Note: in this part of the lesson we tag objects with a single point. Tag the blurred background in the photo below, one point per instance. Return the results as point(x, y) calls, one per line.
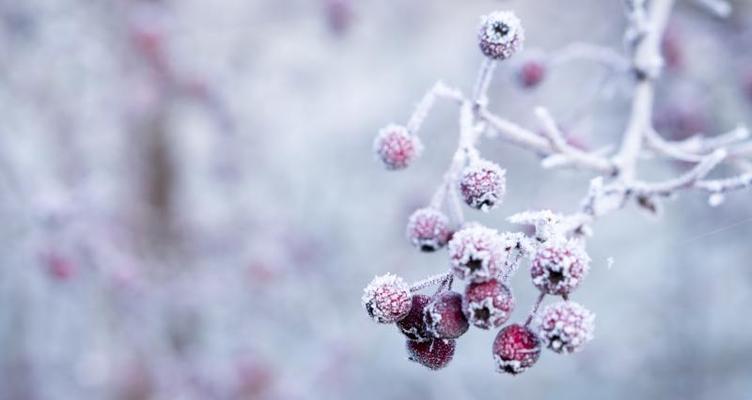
point(190, 205)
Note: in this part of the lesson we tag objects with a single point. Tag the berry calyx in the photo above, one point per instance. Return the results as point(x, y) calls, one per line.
point(444, 317)
point(428, 229)
point(434, 354)
point(515, 349)
point(387, 299)
point(501, 35)
point(565, 327)
point(487, 304)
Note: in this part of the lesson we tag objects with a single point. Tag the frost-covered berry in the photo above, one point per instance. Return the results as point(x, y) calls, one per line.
point(387, 298)
point(487, 304)
point(476, 254)
point(428, 229)
point(444, 317)
point(559, 268)
point(501, 35)
point(565, 326)
point(515, 349)
point(532, 73)
point(414, 325)
point(483, 185)
point(396, 147)
point(434, 354)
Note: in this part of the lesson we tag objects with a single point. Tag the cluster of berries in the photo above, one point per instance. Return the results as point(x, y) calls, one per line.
point(483, 258)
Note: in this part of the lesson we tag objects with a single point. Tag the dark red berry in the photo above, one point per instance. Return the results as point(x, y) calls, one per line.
point(500, 35)
point(488, 304)
point(444, 317)
point(515, 349)
point(414, 325)
point(434, 354)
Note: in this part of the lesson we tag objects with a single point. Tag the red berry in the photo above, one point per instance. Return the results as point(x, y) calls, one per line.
point(396, 147)
point(414, 325)
point(475, 253)
point(428, 229)
point(488, 304)
point(434, 354)
point(444, 317)
point(560, 268)
point(515, 349)
point(565, 326)
point(387, 298)
point(500, 35)
point(482, 185)
point(531, 74)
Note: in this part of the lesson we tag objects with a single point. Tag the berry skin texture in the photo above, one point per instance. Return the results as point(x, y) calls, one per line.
point(387, 299)
point(428, 229)
point(501, 35)
point(475, 253)
point(396, 147)
point(483, 185)
point(414, 325)
point(531, 74)
point(434, 354)
point(487, 304)
point(444, 317)
point(565, 327)
point(559, 269)
point(515, 349)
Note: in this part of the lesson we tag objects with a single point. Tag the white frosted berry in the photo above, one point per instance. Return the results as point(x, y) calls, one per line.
point(396, 147)
point(501, 35)
point(558, 269)
point(428, 229)
point(482, 185)
point(387, 298)
point(476, 254)
point(487, 304)
point(565, 327)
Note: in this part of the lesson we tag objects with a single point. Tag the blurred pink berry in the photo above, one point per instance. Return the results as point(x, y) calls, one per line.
point(565, 326)
point(531, 73)
point(396, 147)
point(444, 317)
point(748, 85)
point(488, 304)
point(59, 267)
point(671, 48)
point(428, 229)
point(339, 15)
point(560, 268)
point(515, 349)
point(482, 185)
point(434, 354)
point(414, 325)
point(387, 298)
point(500, 35)
point(475, 253)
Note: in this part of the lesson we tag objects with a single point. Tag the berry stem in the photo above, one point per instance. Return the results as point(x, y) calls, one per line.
point(534, 311)
point(437, 279)
point(483, 81)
